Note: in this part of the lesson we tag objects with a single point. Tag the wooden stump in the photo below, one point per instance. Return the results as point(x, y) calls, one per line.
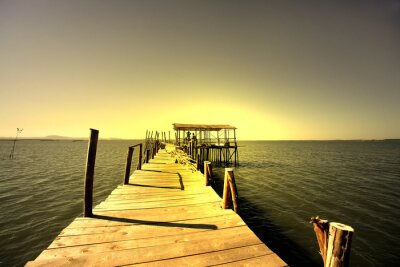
point(334, 240)
point(339, 242)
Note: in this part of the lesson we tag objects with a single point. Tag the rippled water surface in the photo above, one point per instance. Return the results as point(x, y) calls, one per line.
point(281, 185)
point(41, 190)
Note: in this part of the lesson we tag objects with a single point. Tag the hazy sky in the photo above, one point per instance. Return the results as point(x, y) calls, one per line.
point(274, 69)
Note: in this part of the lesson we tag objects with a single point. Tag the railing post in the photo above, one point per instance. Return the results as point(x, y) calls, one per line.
point(207, 172)
point(140, 157)
point(147, 155)
point(128, 165)
point(198, 162)
point(89, 174)
point(230, 192)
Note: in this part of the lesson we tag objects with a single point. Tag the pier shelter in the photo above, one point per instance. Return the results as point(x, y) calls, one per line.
point(208, 142)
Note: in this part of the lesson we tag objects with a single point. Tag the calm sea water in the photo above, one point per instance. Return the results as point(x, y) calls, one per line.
point(281, 185)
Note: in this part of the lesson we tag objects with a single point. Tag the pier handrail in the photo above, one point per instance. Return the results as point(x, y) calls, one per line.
point(89, 172)
point(129, 161)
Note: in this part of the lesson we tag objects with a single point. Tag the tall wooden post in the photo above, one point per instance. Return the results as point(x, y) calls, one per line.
point(339, 242)
point(139, 167)
point(89, 173)
point(334, 240)
point(128, 165)
point(207, 172)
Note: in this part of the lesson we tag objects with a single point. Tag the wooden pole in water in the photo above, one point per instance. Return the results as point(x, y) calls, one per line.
point(334, 240)
point(339, 242)
point(89, 173)
point(128, 165)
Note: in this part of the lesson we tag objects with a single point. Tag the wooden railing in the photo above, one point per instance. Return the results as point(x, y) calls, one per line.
point(89, 172)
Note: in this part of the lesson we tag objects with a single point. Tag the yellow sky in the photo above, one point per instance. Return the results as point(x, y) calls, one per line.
point(276, 71)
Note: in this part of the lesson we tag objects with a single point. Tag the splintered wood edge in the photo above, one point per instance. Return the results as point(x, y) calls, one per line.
point(342, 226)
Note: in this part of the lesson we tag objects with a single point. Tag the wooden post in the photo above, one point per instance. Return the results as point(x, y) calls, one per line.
point(234, 193)
point(128, 165)
point(321, 228)
point(207, 172)
point(230, 191)
point(334, 240)
point(339, 242)
point(226, 195)
point(89, 173)
point(139, 167)
point(147, 155)
point(198, 162)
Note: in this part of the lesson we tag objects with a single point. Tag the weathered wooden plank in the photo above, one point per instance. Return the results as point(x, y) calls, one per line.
point(169, 214)
point(165, 248)
point(156, 196)
point(265, 260)
point(212, 258)
point(219, 221)
point(128, 237)
point(153, 204)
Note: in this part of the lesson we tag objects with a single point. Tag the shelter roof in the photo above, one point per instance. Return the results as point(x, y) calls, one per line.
point(210, 127)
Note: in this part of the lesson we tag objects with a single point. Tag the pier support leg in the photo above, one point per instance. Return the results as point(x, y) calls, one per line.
point(89, 174)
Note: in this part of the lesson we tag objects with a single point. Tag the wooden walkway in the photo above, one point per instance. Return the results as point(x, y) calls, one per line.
point(165, 216)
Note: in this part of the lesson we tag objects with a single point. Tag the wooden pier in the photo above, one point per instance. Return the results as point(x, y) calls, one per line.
point(164, 216)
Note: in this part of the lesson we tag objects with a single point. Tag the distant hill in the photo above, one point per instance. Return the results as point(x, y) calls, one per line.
point(58, 137)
